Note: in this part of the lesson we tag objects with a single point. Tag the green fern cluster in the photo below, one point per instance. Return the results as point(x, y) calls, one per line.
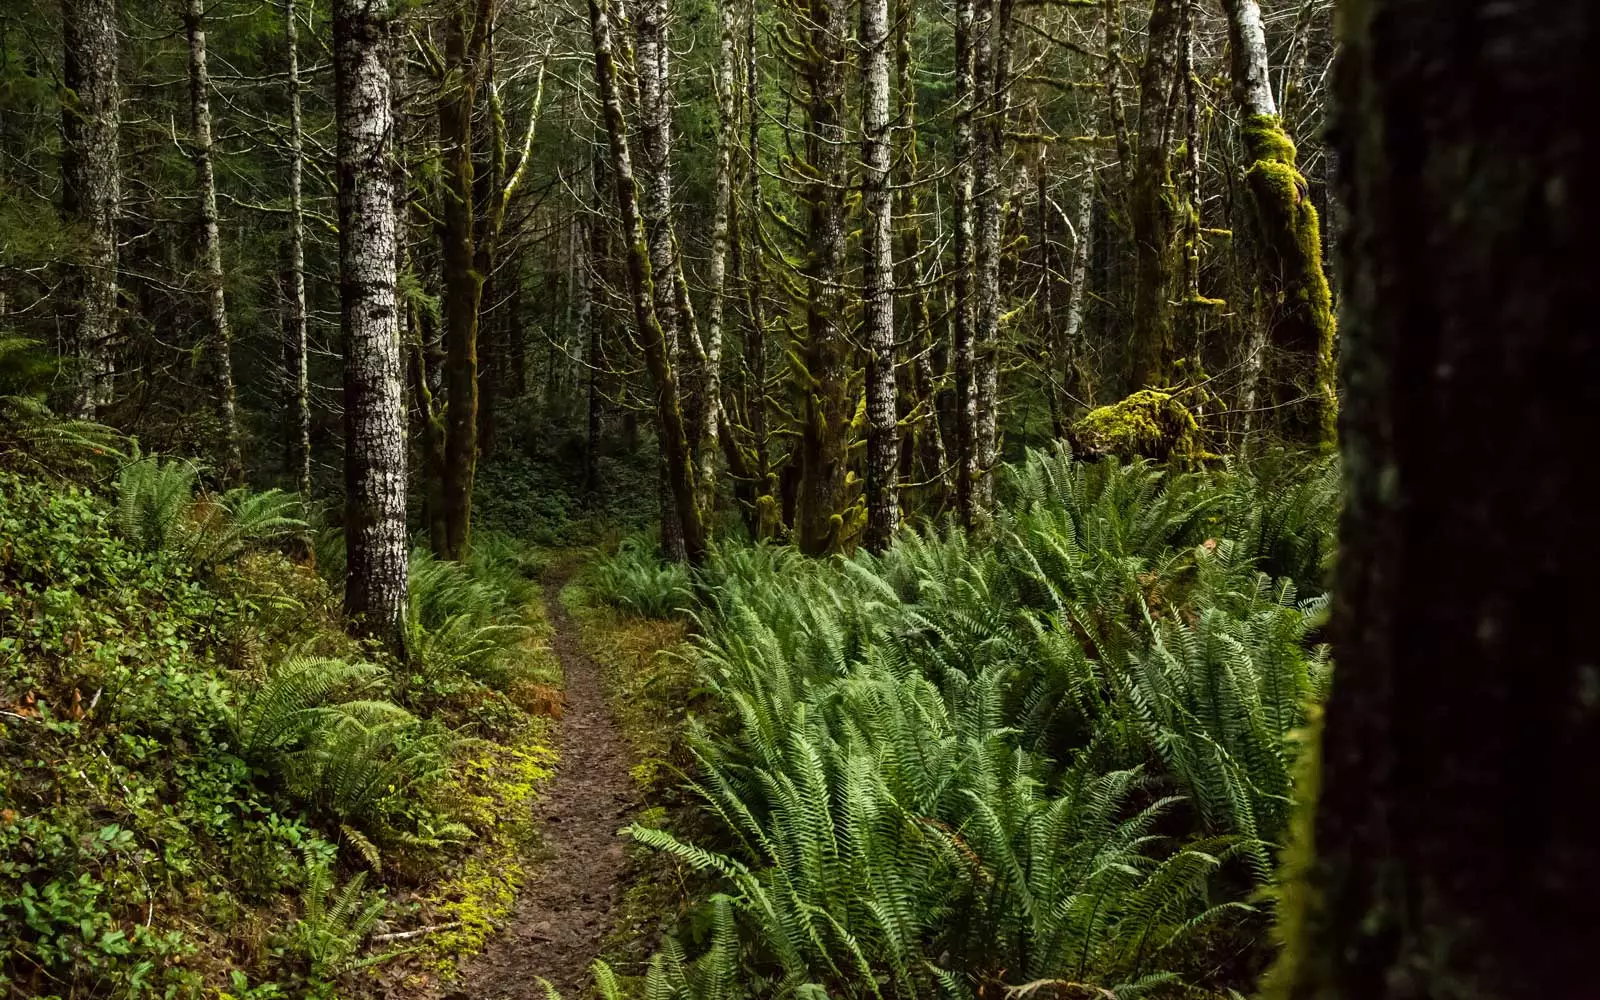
point(637, 580)
point(33, 438)
point(160, 509)
point(1052, 756)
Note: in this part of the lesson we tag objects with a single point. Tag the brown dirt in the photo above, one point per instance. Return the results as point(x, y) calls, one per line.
point(566, 908)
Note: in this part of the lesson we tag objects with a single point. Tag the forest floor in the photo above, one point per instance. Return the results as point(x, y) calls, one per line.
point(568, 906)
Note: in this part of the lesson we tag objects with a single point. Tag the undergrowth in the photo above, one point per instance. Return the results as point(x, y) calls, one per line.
point(206, 787)
point(1057, 759)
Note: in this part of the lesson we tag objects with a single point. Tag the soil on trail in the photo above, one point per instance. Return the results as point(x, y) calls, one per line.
point(565, 909)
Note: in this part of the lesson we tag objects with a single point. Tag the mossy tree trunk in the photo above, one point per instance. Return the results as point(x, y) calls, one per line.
point(1152, 201)
point(466, 52)
point(877, 279)
point(1299, 305)
point(1454, 852)
point(824, 519)
point(670, 425)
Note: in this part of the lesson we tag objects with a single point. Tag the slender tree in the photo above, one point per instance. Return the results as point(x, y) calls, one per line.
point(467, 31)
point(992, 59)
point(297, 454)
point(679, 465)
point(964, 360)
point(91, 195)
point(877, 248)
point(219, 337)
point(374, 415)
point(1152, 200)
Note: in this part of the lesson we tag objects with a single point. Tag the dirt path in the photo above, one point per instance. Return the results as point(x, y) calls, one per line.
point(565, 909)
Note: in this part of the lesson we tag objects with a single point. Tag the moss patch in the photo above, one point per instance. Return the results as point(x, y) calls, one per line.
point(1147, 424)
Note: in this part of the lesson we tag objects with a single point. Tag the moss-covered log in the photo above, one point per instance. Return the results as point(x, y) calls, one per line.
point(1147, 424)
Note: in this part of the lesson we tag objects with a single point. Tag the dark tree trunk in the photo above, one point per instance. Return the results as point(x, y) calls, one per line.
point(465, 56)
point(91, 195)
point(1151, 201)
point(1454, 852)
point(374, 414)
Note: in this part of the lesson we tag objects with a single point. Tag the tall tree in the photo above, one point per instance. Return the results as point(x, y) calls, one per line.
point(1299, 304)
point(824, 354)
point(219, 337)
point(1453, 853)
point(964, 359)
point(374, 414)
point(91, 194)
point(467, 32)
point(670, 426)
point(992, 65)
point(1152, 199)
point(877, 281)
point(297, 454)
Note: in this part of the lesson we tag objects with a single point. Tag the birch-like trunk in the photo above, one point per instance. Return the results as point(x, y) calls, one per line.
point(641, 292)
point(297, 412)
point(374, 414)
point(929, 440)
point(877, 281)
point(992, 64)
point(708, 398)
point(1298, 367)
point(91, 197)
point(963, 359)
point(1074, 371)
point(825, 355)
point(219, 338)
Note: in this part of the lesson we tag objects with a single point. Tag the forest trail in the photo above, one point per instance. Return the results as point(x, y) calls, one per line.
point(565, 910)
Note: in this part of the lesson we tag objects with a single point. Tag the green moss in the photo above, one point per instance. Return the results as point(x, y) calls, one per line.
point(1299, 299)
point(1148, 424)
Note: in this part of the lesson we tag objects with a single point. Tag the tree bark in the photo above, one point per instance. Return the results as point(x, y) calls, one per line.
point(219, 347)
point(91, 196)
point(374, 415)
point(877, 281)
point(641, 291)
point(466, 51)
point(963, 359)
point(824, 521)
point(992, 64)
point(1299, 304)
point(297, 415)
point(1454, 852)
point(708, 398)
point(1151, 201)
point(929, 441)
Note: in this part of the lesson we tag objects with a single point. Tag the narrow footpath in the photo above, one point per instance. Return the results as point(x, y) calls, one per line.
point(565, 910)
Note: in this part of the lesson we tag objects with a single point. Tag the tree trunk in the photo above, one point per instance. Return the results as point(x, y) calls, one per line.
point(641, 292)
point(374, 415)
point(1074, 371)
point(992, 69)
point(1454, 852)
point(963, 359)
point(755, 352)
point(824, 521)
point(91, 196)
point(297, 415)
point(1299, 304)
point(219, 339)
point(877, 281)
point(929, 442)
point(465, 56)
point(709, 396)
point(1151, 201)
